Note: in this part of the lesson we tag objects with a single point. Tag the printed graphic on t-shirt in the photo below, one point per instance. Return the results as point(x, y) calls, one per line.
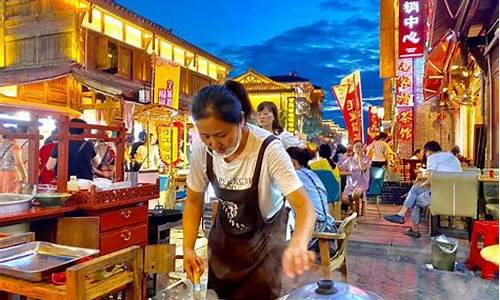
point(231, 211)
point(238, 183)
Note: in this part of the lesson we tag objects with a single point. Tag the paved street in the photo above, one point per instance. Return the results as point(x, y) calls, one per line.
point(384, 261)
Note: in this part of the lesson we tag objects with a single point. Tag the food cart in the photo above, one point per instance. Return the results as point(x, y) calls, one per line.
point(112, 221)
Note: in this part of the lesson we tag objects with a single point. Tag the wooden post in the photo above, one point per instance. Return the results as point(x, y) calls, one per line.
point(120, 150)
point(33, 146)
point(63, 154)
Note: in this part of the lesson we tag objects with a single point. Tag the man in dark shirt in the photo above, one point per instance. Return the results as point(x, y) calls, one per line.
point(82, 157)
point(136, 145)
point(51, 138)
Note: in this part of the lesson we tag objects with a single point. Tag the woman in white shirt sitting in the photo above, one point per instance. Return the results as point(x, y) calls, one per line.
point(267, 116)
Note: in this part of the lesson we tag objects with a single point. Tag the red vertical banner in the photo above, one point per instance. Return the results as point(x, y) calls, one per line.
point(349, 99)
point(405, 124)
point(373, 124)
point(411, 28)
point(405, 84)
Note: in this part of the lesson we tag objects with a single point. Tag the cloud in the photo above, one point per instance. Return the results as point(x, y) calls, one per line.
point(323, 51)
point(331, 108)
point(339, 5)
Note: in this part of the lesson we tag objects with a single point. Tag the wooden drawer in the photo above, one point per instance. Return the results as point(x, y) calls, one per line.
point(119, 239)
point(123, 217)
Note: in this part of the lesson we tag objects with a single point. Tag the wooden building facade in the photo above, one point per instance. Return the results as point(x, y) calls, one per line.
point(77, 55)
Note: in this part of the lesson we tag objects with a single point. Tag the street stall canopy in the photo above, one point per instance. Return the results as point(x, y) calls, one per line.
point(100, 82)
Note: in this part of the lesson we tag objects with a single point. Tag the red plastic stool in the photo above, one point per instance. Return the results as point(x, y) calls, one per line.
point(488, 230)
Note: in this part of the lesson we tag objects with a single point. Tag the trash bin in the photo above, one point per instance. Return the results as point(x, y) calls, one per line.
point(443, 252)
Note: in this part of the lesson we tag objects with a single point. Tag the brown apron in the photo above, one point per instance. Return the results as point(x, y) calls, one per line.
point(244, 250)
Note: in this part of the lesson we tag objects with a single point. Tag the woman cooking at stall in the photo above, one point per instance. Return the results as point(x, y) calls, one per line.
point(249, 170)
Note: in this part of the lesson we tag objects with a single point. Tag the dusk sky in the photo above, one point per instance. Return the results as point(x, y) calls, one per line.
point(321, 40)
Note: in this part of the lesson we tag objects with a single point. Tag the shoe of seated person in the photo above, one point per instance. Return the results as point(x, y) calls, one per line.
point(395, 219)
point(410, 232)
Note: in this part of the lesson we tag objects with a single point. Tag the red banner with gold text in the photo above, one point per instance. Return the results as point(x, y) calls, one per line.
point(348, 94)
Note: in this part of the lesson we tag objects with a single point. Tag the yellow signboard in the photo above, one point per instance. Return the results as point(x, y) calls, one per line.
point(168, 143)
point(166, 84)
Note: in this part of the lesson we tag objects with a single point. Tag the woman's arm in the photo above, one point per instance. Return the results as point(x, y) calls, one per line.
point(297, 258)
point(193, 210)
point(19, 162)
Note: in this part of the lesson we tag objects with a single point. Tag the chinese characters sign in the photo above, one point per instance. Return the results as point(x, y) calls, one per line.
point(411, 28)
point(348, 95)
point(166, 84)
point(373, 124)
point(405, 91)
point(290, 115)
point(168, 142)
point(405, 123)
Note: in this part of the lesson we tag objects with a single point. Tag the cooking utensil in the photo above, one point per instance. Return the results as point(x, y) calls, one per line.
point(51, 199)
point(14, 203)
point(328, 289)
point(35, 261)
point(196, 286)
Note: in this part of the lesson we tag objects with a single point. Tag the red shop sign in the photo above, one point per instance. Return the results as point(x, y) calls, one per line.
point(411, 28)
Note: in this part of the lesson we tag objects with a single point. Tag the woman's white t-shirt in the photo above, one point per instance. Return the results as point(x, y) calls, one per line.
point(290, 140)
point(277, 175)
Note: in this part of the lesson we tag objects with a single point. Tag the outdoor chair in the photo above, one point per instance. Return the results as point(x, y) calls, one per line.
point(453, 194)
point(377, 176)
point(490, 195)
point(339, 260)
point(332, 191)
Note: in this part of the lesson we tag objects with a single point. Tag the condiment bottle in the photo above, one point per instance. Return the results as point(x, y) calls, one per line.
point(73, 184)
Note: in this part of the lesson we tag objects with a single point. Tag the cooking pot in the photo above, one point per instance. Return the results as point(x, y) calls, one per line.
point(328, 289)
point(14, 203)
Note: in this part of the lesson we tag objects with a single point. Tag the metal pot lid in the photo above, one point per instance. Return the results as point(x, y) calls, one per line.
point(328, 289)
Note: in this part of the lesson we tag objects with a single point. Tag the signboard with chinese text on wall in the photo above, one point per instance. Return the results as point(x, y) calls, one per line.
point(166, 84)
point(168, 143)
point(405, 123)
point(411, 28)
point(373, 124)
point(348, 95)
point(405, 86)
point(290, 115)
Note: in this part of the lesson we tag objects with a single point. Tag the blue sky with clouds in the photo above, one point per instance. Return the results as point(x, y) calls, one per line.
point(322, 40)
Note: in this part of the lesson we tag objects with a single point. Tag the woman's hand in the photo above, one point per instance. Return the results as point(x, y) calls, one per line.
point(297, 260)
point(192, 264)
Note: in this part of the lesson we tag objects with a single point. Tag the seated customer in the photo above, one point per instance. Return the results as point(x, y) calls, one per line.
point(358, 183)
point(82, 158)
point(315, 190)
point(419, 195)
point(324, 162)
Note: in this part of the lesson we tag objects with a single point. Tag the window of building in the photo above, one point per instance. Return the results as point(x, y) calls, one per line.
point(113, 27)
point(95, 22)
point(165, 50)
point(133, 36)
point(112, 65)
point(179, 56)
point(202, 66)
point(212, 70)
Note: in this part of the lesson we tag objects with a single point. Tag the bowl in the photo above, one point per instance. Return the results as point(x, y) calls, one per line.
point(51, 199)
point(14, 203)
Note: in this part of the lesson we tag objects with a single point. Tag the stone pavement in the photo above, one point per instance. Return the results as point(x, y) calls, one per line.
point(384, 261)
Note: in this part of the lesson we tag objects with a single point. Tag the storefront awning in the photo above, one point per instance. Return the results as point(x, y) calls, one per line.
point(41, 107)
point(108, 84)
point(436, 67)
point(36, 74)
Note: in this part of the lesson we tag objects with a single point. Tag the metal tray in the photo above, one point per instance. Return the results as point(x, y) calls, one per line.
point(35, 261)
